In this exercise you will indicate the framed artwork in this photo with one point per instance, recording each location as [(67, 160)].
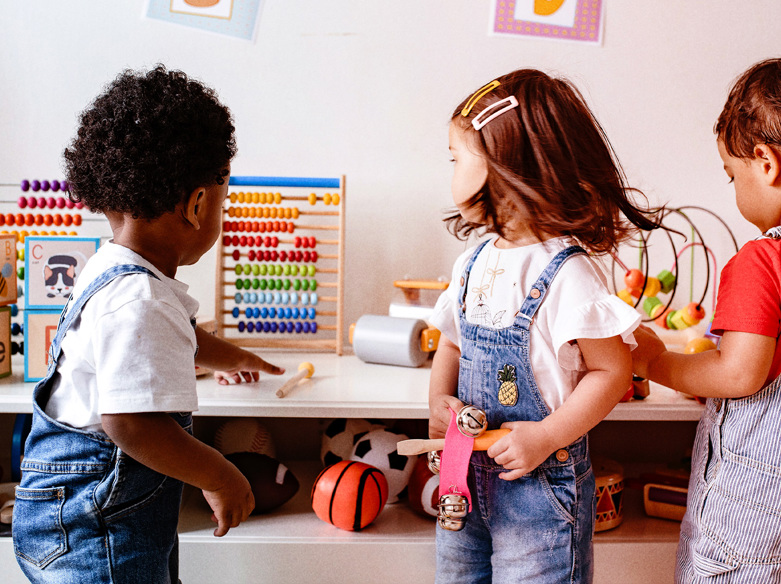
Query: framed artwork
[(564, 20), (236, 18), (51, 266)]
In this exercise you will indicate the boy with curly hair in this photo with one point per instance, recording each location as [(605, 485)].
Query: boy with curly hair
[(111, 442)]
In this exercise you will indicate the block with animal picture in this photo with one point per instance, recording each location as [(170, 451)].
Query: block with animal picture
[(52, 266)]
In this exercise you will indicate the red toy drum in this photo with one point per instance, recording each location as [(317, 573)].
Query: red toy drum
[(349, 494), (609, 476)]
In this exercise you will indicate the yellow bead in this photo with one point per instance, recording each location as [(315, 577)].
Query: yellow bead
[(266, 212), (327, 198), (241, 197), (678, 321), (295, 213), (255, 197), (234, 197), (626, 297), (277, 198), (652, 287), (312, 198), (699, 345), (231, 211), (335, 199)]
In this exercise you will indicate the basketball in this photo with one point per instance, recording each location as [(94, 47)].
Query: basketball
[(349, 494)]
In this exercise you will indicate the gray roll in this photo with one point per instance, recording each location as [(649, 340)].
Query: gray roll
[(389, 340)]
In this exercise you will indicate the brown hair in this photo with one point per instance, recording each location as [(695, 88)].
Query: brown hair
[(550, 161), (752, 114)]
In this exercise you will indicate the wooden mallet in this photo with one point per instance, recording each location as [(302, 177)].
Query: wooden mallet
[(482, 442), (305, 371)]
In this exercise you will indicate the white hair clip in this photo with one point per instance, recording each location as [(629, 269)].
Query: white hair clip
[(495, 109)]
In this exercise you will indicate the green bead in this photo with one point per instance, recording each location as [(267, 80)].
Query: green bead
[(255, 283), (667, 280), (263, 269), (263, 284), (256, 270), (237, 269), (247, 269), (287, 284), (313, 285), (296, 284)]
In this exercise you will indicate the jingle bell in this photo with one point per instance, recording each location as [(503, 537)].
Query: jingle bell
[(453, 509), (471, 421), (433, 459)]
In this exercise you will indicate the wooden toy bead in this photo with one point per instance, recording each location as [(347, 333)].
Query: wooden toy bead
[(652, 306), (695, 311), (634, 279), (652, 287)]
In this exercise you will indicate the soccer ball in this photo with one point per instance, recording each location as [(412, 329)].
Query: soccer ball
[(378, 448), (340, 437)]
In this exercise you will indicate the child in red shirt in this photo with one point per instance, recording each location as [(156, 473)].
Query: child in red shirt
[(732, 528)]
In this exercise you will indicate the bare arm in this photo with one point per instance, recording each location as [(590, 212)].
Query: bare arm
[(609, 376), (157, 441), (738, 368), (230, 361), (443, 387)]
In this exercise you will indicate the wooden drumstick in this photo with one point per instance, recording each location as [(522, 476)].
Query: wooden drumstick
[(305, 370), (482, 442)]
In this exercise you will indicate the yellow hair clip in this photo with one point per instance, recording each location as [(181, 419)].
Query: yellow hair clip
[(488, 88)]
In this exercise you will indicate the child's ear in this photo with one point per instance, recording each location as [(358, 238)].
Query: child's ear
[(192, 205), (770, 163)]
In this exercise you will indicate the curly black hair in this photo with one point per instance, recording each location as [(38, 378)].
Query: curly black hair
[(146, 142)]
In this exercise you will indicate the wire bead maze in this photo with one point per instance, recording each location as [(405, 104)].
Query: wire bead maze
[(280, 263), (654, 295)]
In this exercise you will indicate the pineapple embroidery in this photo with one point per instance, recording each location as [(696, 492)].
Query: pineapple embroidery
[(508, 390)]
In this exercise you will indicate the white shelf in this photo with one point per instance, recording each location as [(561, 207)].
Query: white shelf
[(347, 387)]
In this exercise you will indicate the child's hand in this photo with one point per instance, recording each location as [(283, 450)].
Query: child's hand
[(439, 416), (522, 450), (232, 502), (649, 347), (246, 368)]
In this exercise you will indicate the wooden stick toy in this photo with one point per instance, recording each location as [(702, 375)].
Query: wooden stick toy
[(305, 371), (419, 446)]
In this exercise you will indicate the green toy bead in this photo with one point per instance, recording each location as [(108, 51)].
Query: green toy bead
[(263, 269), (263, 284), (237, 269), (278, 270), (649, 304), (287, 284), (296, 284), (667, 280), (247, 269), (256, 270), (313, 285), (255, 283), (311, 271)]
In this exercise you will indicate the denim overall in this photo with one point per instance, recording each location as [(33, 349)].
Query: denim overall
[(537, 528), (732, 528), (85, 511)]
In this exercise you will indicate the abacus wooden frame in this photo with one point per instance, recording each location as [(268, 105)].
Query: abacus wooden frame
[(337, 343)]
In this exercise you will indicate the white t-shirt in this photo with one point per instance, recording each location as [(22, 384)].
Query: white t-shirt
[(577, 305), (132, 349)]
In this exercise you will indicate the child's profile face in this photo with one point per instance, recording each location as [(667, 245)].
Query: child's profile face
[(470, 171), (756, 201)]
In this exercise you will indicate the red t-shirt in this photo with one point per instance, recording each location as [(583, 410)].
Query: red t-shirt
[(749, 298)]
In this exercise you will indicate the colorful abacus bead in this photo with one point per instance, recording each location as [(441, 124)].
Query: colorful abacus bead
[(634, 279), (652, 287), (653, 307)]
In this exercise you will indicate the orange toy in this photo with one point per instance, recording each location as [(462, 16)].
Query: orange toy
[(349, 494)]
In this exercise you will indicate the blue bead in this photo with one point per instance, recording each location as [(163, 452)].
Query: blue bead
[(307, 326), (274, 327), (272, 312), (250, 327), (290, 327), (259, 326), (237, 298), (235, 312), (266, 327), (14, 310), (314, 327), (264, 312), (313, 298), (296, 312), (253, 297), (288, 312), (241, 326), (312, 313), (277, 298), (248, 312), (305, 298), (299, 326), (247, 297), (255, 312), (285, 298)]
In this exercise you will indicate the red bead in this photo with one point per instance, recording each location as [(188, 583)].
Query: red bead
[(235, 240), (48, 219), (18, 219), (39, 219), (22, 202), (67, 220), (2, 219), (226, 226), (267, 255), (267, 241), (307, 256), (283, 256), (274, 241), (236, 254), (258, 240), (290, 227), (297, 242), (299, 255), (634, 279), (58, 220), (41, 202), (226, 239), (61, 202), (255, 226), (70, 204), (77, 219), (243, 240), (9, 219), (274, 255), (312, 242), (314, 256), (50, 202), (251, 255), (241, 226)]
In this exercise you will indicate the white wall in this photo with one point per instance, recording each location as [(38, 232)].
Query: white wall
[(365, 88)]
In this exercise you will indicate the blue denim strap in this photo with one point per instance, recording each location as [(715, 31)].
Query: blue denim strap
[(465, 278), (540, 288), (69, 315)]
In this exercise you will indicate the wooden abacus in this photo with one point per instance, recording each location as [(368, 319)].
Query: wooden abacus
[(277, 253)]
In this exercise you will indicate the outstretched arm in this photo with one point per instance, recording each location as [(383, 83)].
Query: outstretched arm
[(229, 361), (443, 387), (738, 368)]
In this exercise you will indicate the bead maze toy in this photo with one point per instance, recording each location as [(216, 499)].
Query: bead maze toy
[(654, 295), (280, 263)]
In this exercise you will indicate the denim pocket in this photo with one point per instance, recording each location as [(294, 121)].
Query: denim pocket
[(560, 488), (38, 533)]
